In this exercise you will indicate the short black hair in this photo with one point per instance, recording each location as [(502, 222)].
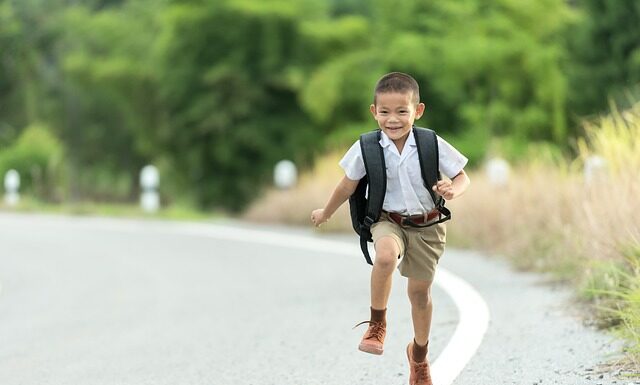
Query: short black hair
[(397, 82)]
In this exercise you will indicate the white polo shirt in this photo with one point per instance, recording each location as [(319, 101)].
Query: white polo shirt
[(406, 193)]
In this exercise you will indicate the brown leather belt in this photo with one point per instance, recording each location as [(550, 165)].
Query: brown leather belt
[(417, 219)]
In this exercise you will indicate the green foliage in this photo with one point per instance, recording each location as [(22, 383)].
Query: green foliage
[(341, 91), (217, 91), (327, 39), (489, 64), (37, 155), (25, 73), (110, 98), (606, 56), (473, 143), (485, 69), (231, 97), (347, 135)]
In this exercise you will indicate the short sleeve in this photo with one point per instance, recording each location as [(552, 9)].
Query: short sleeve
[(352, 163), (451, 160)]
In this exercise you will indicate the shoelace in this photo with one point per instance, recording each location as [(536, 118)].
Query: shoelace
[(422, 373), (376, 331)]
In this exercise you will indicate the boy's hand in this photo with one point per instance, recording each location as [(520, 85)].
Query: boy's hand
[(445, 189), (318, 217)]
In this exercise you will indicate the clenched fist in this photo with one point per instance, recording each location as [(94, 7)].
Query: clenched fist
[(318, 217), (445, 189)]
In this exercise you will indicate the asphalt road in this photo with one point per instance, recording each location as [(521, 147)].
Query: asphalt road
[(106, 301)]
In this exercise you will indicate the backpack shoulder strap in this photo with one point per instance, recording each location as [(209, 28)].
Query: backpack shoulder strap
[(376, 169), (373, 156), (427, 144)]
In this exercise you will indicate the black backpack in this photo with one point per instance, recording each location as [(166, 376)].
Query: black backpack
[(366, 211)]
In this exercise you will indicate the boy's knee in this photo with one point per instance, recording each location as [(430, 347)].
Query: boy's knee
[(420, 296), (386, 261), (386, 253)]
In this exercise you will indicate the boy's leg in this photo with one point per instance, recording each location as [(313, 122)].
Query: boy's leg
[(419, 292), (421, 310), (387, 252), (419, 267)]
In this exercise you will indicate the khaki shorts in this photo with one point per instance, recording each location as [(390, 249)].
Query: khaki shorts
[(420, 248)]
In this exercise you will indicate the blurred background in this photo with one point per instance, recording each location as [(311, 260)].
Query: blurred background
[(214, 93)]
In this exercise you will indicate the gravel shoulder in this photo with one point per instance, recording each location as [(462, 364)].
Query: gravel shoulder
[(535, 334)]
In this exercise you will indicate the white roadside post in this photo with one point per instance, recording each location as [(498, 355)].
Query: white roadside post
[(595, 169), (285, 174), (149, 181), (497, 170), (11, 186)]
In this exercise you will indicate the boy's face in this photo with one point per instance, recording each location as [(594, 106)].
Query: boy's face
[(395, 113)]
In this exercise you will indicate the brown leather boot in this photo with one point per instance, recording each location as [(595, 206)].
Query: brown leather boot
[(419, 372), (373, 339)]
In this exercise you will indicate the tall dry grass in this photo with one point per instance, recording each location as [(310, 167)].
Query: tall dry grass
[(294, 206), (550, 218)]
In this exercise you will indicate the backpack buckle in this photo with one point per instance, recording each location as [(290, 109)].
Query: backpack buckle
[(368, 221)]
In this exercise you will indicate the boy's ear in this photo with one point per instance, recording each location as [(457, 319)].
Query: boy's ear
[(420, 110), (372, 108)]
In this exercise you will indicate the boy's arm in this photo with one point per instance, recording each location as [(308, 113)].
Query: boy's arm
[(454, 188), (342, 192)]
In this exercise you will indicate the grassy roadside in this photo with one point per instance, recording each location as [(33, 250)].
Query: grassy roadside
[(548, 218), (176, 212)]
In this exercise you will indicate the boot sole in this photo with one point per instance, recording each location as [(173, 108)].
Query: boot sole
[(370, 349)]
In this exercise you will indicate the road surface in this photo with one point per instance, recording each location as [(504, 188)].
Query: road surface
[(115, 301)]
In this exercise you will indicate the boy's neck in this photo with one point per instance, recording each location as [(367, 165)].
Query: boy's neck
[(399, 143)]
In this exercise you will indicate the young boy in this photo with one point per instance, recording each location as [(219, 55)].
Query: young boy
[(396, 105)]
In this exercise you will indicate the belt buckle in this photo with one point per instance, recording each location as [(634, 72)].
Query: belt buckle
[(419, 220)]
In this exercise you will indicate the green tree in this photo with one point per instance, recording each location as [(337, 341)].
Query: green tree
[(216, 91), (488, 68), (26, 63), (606, 54), (109, 97), (38, 157), (230, 80)]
